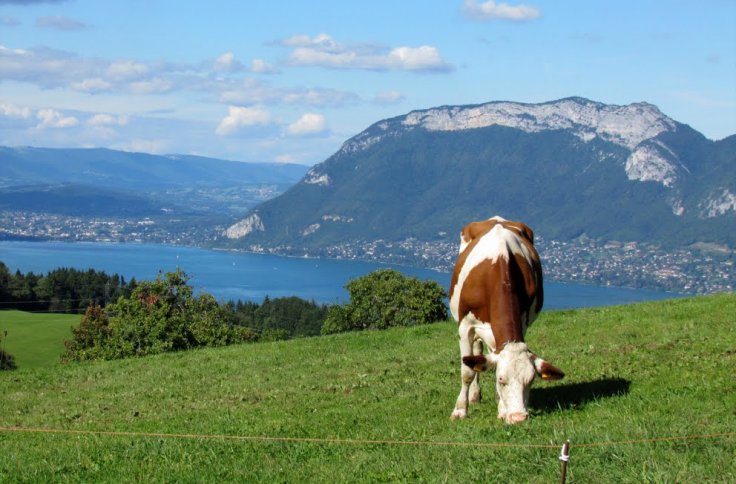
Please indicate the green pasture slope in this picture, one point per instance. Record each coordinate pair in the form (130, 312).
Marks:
(641, 380)
(36, 340)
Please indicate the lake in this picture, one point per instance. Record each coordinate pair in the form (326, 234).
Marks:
(239, 275)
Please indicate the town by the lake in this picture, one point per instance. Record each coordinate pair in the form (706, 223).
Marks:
(699, 269)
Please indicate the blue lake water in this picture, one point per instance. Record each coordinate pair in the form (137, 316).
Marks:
(237, 275)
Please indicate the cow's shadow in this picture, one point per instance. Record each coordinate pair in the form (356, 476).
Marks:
(576, 395)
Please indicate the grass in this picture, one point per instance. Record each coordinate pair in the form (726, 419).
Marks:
(36, 340)
(645, 371)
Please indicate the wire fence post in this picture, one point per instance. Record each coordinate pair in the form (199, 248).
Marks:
(564, 457)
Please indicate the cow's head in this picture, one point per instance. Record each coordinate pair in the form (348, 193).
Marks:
(516, 368)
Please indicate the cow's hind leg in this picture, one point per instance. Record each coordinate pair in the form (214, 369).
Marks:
(475, 395)
(467, 374)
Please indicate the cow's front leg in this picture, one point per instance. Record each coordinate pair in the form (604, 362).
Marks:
(468, 376)
(475, 395)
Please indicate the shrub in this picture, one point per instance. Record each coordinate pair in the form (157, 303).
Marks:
(159, 316)
(7, 362)
(386, 298)
(91, 338)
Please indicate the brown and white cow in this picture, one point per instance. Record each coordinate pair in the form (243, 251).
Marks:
(495, 294)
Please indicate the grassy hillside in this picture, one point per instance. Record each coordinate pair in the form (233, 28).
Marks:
(36, 340)
(646, 371)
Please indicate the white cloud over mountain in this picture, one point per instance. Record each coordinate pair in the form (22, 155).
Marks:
(51, 118)
(324, 51)
(491, 10)
(242, 117)
(308, 124)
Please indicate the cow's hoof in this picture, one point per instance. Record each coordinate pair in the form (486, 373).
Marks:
(475, 398)
(458, 413)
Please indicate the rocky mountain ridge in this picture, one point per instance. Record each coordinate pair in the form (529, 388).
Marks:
(568, 167)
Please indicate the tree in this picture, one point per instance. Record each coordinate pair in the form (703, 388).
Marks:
(386, 298)
(4, 283)
(7, 362)
(90, 339)
(159, 316)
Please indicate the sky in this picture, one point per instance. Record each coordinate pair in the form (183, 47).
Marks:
(290, 81)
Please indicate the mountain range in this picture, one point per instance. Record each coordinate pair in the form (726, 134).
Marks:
(102, 182)
(568, 168)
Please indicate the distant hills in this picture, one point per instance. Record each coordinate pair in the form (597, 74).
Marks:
(69, 199)
(569, 168)
(102, 182)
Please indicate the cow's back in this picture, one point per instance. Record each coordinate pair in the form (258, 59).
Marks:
(498, 278)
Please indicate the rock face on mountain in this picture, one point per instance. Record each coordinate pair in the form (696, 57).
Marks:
(567, 168)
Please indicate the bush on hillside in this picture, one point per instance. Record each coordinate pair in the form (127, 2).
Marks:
(386, 298)
(159, 316)
(7, 362)
(91, 337)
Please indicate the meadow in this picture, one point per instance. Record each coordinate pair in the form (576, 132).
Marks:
(36, 340)
(649, 396)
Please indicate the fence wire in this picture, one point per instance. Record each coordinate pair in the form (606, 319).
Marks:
(341, 441)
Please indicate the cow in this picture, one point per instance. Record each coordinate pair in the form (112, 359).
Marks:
(495, 294)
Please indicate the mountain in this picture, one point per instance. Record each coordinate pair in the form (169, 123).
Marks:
(108, 183)
(568, 168)
(134, 171)
(68, 199)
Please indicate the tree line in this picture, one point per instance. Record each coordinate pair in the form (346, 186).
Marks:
(165, 315)
(60, 290)
(141, 318)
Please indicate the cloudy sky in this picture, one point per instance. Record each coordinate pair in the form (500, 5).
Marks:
(290, 81)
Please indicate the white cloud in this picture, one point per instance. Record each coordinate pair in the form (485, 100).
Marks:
(92, 85)
(388, 97)
(7, 21)
(260, 66)
(241, 117)
(51, 118)
(156, 85)
(13, 116)
(416, 58)
(317, 97)
(321, 40)
(13, 111)
(126, 70)
(55, 69)
(490, 10)
(227, 63)
(323, 51)
(59, 22)
(107, 120)
(309, 123)
(252, 91)
(285, 159)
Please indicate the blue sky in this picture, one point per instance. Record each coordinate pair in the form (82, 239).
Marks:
(290, 81)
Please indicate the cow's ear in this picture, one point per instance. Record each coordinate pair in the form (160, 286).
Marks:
(477, 362)
(546, 370)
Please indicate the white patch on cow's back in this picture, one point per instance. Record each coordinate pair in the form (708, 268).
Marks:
(495, 243)
(463, 243)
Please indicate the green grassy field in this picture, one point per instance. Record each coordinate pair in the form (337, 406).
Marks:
(36, 340)
(646, 373)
